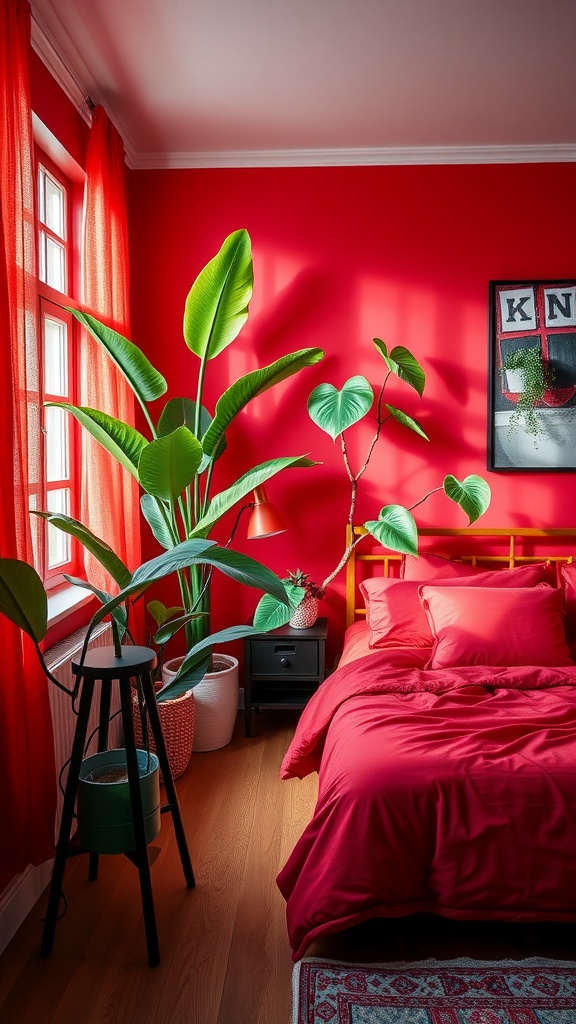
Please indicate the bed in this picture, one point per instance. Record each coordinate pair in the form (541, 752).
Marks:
(445, 741)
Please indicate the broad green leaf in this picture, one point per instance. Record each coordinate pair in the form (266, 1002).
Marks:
(395, 528)
(160, 613)
(244, 486)
(270, 613)
(407, 421)
(189, 552)
(23, 598)
(473, 494)
(246, 570)
(217, 305)
(237, 396)
(196, 668)
(101, 551)
(146, 382)
(188, 673)
(401, 362)
(151, 509)
(334, 411)
(180, 412)
(124, 442)
(168, 465)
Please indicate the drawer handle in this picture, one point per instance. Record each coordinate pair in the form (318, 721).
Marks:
(284, 662)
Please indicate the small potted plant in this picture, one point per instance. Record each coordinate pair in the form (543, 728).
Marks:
(306, 611)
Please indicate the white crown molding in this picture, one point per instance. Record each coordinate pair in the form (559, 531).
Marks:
(388, 156)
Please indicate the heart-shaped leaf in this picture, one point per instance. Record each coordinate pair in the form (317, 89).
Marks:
(473, 494)
(407, 421)
(401, 362)
(334, 411)
(396, 529)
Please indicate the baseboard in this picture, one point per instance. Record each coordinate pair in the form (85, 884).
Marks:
(19, 898)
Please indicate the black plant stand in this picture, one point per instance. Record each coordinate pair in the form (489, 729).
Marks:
(102, 664)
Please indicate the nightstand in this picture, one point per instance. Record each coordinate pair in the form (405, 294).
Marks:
(283, 668)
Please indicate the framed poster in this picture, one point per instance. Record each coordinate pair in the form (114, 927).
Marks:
(532, 375)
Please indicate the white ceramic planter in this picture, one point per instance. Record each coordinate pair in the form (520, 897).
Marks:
(514, 382)
(216, 702)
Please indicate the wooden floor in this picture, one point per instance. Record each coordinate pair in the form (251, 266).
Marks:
(225, 954)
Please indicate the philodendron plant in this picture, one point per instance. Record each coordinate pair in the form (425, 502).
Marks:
(395, 527)
(174, 465)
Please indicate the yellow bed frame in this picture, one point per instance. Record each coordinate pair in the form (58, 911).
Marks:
(492, 547)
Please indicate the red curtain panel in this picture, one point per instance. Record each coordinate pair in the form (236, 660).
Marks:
(110, 501)
(26, 745)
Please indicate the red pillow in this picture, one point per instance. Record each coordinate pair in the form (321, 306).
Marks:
(568, 583)
(431, 567)
(395, 615)
(496, 626)
(522, 576)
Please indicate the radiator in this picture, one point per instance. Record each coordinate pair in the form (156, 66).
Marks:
(59, 660)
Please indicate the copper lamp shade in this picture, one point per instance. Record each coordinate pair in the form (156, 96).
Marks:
(264, 519)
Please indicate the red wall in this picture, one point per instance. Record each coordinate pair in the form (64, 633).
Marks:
(342, 255)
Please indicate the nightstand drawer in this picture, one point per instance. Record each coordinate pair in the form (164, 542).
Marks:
(285, 657)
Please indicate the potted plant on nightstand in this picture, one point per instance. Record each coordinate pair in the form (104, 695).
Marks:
(175, 464)
(335, 412)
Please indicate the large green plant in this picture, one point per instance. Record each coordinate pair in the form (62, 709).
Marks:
(174, 464)
(335, 412)
(23, 599)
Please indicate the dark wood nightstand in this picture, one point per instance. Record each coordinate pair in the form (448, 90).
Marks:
(283, 668)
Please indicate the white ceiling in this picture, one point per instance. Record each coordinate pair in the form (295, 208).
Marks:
(263, 82)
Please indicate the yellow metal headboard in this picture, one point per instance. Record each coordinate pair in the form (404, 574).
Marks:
(490, 546)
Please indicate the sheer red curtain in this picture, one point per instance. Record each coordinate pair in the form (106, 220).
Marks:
(110, 501)
(26, 745)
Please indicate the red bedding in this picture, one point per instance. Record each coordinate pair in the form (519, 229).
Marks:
(449, 792)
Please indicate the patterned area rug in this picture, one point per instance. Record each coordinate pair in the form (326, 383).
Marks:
(531, 991)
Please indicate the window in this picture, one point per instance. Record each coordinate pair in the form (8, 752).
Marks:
(55, 490)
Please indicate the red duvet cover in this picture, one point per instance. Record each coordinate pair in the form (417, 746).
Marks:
(448, 792)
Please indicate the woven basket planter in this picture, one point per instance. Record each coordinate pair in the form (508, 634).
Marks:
(177, 720)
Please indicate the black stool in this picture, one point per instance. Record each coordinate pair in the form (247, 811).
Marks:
(102, 664)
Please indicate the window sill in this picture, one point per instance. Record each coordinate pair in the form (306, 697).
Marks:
(65, 601)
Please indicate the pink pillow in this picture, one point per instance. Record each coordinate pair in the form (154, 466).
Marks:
(395, 615)
(568, 584)
(522, 576)
(496, 626)
(431, 567)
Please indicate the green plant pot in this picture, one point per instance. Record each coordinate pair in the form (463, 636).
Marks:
(103, 806)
